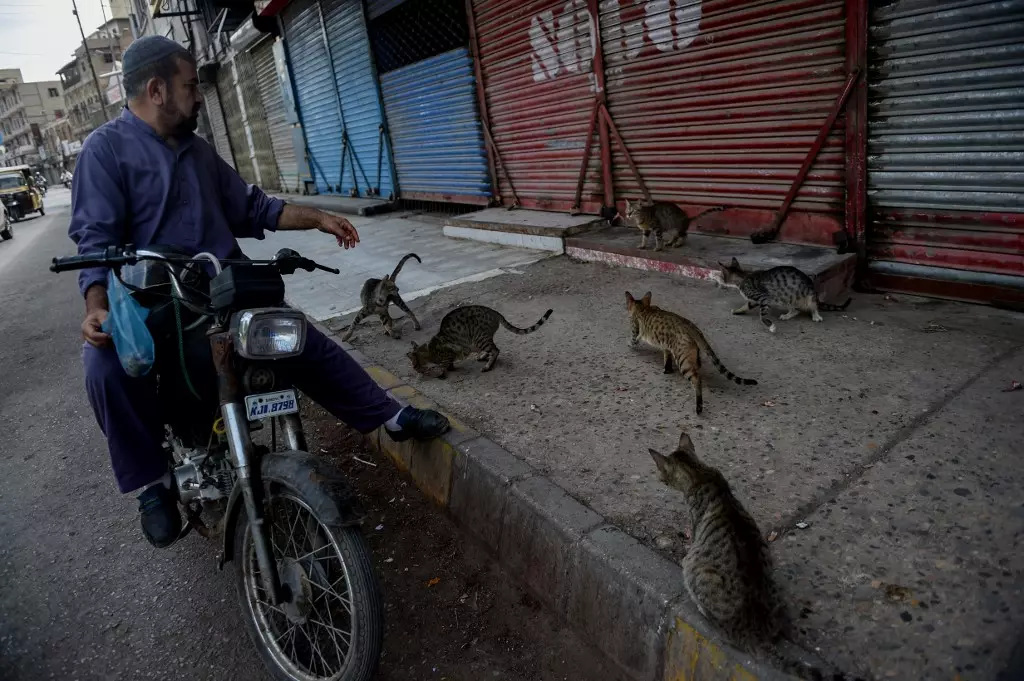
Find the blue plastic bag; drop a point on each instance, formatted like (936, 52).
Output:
(126, 324)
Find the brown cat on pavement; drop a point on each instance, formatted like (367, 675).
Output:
(660, 217)
(464, 331)
(728, 569)
(678, 338)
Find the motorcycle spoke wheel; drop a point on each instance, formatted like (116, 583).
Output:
(310, 636)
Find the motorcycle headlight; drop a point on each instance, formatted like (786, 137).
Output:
(269, 334)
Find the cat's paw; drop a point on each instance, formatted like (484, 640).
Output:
(772, 328)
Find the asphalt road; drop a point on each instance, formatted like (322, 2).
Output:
(83, 596)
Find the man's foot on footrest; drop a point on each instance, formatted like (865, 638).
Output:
(421, 424)
(161, 521)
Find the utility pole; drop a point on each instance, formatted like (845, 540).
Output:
(88, 58)
(110, 43)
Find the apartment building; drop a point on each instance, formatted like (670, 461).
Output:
(25, 109)
(86, 108)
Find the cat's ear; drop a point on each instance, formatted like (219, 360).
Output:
(629, 206)
(734, 264)
(646, 300)
(630, 300)
(685, 444)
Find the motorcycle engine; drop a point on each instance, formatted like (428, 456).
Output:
(202, 477)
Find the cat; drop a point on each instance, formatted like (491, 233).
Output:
(659, 217)
(376, 295)
(678, 338)
(463, 332)
(727, 570)
(783, 287)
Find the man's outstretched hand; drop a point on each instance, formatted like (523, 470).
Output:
(340, 228)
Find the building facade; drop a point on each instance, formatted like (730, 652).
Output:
(25, 109)
(87, 108)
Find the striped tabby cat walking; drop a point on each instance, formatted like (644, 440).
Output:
(783, 287)
(463, 332)
(678, 338)
(728, 569)
(377, 295)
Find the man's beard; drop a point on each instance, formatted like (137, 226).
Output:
(185, 126)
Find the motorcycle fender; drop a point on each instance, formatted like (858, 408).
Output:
(329, 494)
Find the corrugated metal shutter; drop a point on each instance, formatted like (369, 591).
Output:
(256, 120)
(375, 8)
(235, 123)
(273, 107)
(215, 115)
(366, 166)
(719, 101)
(946, 145)
(435, 130)
(316, 93)
(536, 57)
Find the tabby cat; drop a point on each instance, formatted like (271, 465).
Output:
(376, 295)
(783, 287)
(727, 569)
(678, 338)
(463, 332)
(662, 216)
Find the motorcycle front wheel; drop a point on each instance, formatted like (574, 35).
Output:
(332, 625)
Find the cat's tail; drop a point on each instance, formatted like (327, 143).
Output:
(834, 308)
(521, 332)
(398, 267)
(717, 209)
(706, 349)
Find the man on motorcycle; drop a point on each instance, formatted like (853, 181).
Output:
(146, 179)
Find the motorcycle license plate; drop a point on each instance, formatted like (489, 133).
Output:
(267, 405)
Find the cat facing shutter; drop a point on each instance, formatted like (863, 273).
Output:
(463, 332)
(660, 217)
(727, 570)
(377, 295)
(679, 339)
(783, 287)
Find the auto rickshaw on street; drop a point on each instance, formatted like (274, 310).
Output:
(19, 192)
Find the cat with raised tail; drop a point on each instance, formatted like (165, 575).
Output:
(783, 287)
(376, 297)
(728, 569)
(465, 331)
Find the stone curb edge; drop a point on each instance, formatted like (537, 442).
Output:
(624, 598)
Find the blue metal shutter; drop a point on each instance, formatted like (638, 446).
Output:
(365, 165)
(435, 130)
(316, 94)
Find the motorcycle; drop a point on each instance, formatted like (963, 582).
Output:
(289, 522)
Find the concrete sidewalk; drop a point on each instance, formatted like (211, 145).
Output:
(384, 240)
(879, 452)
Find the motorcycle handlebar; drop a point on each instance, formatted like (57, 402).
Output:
(115, 257)
(108, 258)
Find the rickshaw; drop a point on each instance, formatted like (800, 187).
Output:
(19, 193)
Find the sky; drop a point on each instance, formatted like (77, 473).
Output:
(39, 36)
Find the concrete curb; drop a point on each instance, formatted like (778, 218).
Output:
(621, 596)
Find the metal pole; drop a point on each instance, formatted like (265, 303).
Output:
(88, 57)
(110, 45)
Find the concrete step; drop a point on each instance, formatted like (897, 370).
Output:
(537, 229)
(698, 258)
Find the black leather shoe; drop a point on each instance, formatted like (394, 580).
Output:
(161, 521)
(422, 424)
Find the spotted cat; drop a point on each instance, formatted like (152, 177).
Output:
(678, 338)
(376, 295)
(660, 217)
(783, 287)
(728, 570)
(464, 331)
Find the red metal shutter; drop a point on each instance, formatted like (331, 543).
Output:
(719, 102)
(536, 58)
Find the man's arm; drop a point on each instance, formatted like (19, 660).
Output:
(264, 213)
(98, 213)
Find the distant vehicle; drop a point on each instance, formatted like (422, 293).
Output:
(19, 193)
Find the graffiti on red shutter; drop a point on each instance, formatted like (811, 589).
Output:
(563, 40)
